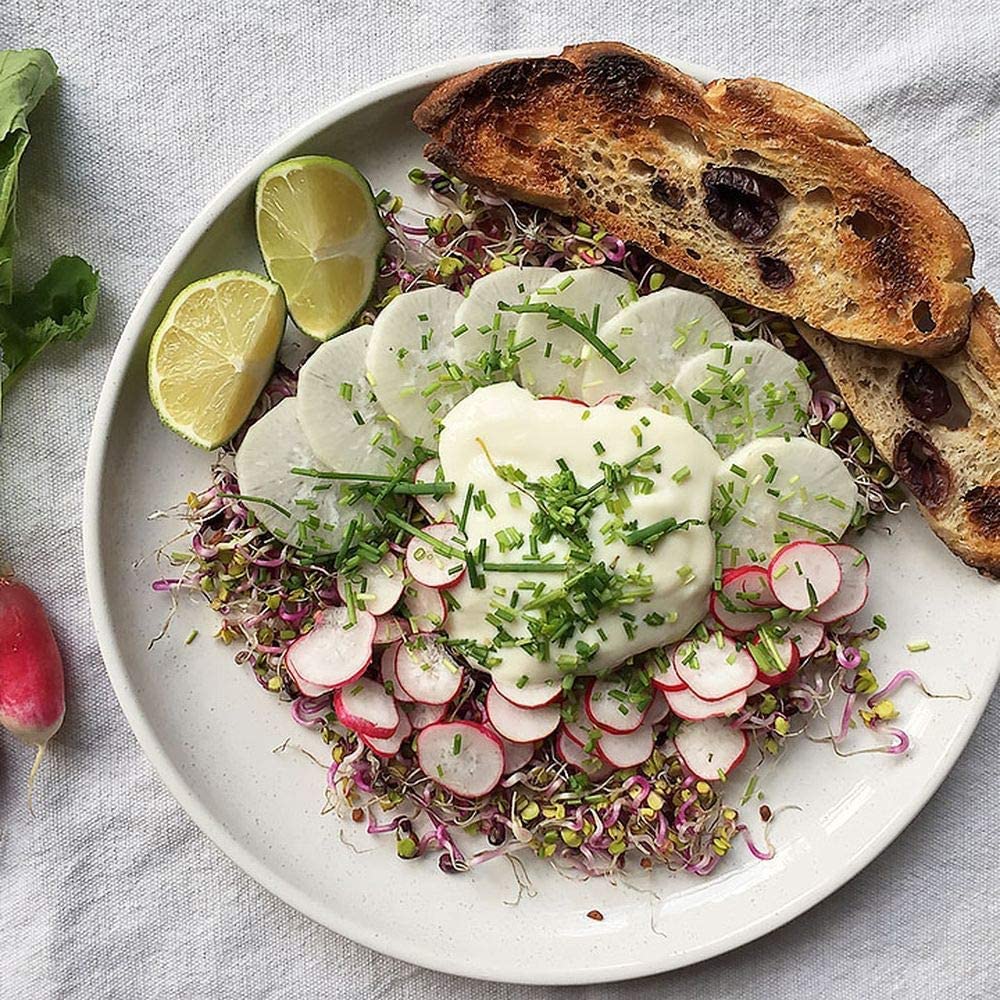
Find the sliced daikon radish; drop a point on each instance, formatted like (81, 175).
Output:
(772, 492)
(464, 757)
(339, 414)
(377, 587)
(853, 591)
(520, 725)
(365, 707)
(804, 574)
(687, 705)
(391, 745)
(440, 563)
(334, 652)
(740, 391)
(575, 755)
(710, 749)
(733, 614)
(517, 756)
(389, 628)
(658, 710)
(807, 635)
(777, 659)
(427, 672)
(532, 694)
(387, 673)
(422, 716)
(436, 508)
(481, 329)
(608, 705)
(408, 358)
(425, 609)
(716, 669)
(663, 673)
(626, 749)
(749, 586)
(660, 332)
(304, 511)
(555, 363)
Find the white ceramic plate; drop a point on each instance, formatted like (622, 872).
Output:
(210, 729)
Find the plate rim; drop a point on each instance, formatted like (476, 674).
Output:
(150, 742)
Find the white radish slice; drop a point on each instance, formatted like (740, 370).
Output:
(463, 757)
(758, 687)
(773, 491)
(715, 669)
(422, 716)
(734, 615)
(740, 391)
(440, 565)
(365, 707)
(427, 672)
(663, 672)
(853, 592)
(658, 333)
(687, 705)
(710, 749)
(408, 353)
(574, 755)
(532, 694)
(777, 660)
(309, 690)
(425, 609)
(807, 635)
(388, 629)
(607, 705)
(626, 749)
(582, 732)
(552, 365)
(481, 328)
(749, 586)
(301, 510)
(430, 472)
(658, 710)
(338, 412)
(333, 652)
(520, 725)
(804, 574)
(387, 673)
(390, 746)
(517, 755)
(377, 586)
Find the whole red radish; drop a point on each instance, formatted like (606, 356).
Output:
(32, 690)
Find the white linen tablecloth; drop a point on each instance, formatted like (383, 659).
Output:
(110, 890)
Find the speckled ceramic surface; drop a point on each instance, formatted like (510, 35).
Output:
(210, 730)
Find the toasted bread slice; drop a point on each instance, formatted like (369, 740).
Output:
(938, 425)
(757, 190)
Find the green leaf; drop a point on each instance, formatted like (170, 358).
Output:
(61, 306)
(24, 77)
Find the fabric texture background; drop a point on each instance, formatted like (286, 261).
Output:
(110, 890)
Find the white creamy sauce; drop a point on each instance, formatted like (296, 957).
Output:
(506, 426)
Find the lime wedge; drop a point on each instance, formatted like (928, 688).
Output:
(320, 235)
(213, 353)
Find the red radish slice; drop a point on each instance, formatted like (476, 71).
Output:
(532, 694)
(610, 399)
(758, 687)
(433, 568)
(565, 399)
(658, 710)
(732, 616)
(804, 575)
(628, 749)
(387, 673)
(334, 652)
(714, 669)
(777, 661)
(807, 635)
(425, 608)
(435, 508)
(687, 705)
(309, 690)
(377, 587)
(390, 747)
(582, 732)
(517, 755)
(749, 585)
(608, 706)
(710, 749)
(388, 629)
(365, 707)
(853, 592)
(422, 716)
(665, 676)
(427, 672)
(464, 757)
(520, 725)
(574, 755)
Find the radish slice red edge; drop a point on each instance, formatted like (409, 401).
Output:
(853, 592)
(435, 508)
(573, 754)
(390, 746)
(687, 705)
(626, 749)
(808, 635)
(777, 660)
(803, 575)
(711, 748)
(431, 567)
(715, 669)
(749, 585)
(608, 706)
(517, 724)
(466, 758)
(422, 716)
(387, 672)
(427, 672)
(425, 607)
(365, 707)
(333, 652)
(733, 615)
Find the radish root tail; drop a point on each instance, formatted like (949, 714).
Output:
(33, 773)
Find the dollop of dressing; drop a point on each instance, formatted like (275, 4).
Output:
(589, 527)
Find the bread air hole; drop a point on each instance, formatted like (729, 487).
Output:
(865, 225)
(640, 168)
(675, 132)
(922, 318)
(819, 197)
(527, 135)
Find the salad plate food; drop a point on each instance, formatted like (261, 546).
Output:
(541, 580)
